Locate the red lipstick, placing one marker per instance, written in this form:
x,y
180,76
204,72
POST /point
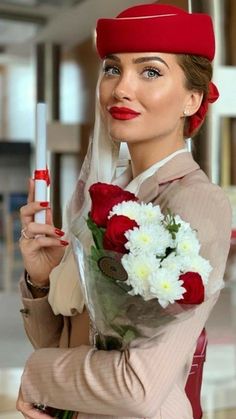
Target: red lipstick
x,y
123,113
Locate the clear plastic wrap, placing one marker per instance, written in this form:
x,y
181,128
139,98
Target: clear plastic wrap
x,y
118,318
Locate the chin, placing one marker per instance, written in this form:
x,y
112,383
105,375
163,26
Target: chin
x,y
117,140
121,135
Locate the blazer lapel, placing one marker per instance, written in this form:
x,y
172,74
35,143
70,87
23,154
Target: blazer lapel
x,y
174,169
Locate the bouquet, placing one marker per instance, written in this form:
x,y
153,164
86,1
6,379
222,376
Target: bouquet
x,y
142,270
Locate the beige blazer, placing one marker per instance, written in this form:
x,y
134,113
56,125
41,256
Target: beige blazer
x,y
144,382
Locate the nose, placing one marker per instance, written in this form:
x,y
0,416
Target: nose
x,y
124,89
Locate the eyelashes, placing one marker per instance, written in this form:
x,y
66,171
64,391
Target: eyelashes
x,y
148,73
151,72
111,70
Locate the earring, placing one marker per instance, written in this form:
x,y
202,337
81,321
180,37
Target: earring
x,y
185,112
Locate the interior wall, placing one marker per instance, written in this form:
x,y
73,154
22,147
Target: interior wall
x,y
178,3
231,31
85,57
20,90
3,103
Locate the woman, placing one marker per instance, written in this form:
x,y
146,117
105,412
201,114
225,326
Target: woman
x,y
152,97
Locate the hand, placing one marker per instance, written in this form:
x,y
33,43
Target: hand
x,y
41,245
28,410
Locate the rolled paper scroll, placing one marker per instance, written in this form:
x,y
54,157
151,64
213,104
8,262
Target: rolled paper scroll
x,y
41,174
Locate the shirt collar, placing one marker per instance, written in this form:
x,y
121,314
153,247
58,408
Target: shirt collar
x,y
175,166
135,183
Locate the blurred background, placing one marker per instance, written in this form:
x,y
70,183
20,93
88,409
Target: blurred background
x,y
47,55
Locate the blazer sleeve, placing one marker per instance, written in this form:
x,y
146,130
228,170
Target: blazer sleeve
x,y
42,327
135,382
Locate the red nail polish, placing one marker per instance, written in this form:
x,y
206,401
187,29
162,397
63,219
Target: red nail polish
x,y
59,232
44,204
64,242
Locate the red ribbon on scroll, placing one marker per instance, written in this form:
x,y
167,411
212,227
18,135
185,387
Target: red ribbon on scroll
x,y
42,175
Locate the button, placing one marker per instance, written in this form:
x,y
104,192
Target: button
x,y
24,311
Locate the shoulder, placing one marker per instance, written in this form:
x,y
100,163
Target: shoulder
x,y
196,188
201,203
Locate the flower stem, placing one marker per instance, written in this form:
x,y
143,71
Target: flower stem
x,y
64,414
68,415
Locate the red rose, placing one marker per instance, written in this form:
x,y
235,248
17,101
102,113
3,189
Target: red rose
x,y
194,288
114,237
104,196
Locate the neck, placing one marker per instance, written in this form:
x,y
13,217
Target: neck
x,y
145,155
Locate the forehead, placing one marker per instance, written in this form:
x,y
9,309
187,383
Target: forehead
x,y
134,57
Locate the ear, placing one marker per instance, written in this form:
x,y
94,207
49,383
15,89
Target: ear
x,y
193,102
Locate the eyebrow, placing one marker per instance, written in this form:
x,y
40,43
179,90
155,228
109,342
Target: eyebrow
x,y
139,60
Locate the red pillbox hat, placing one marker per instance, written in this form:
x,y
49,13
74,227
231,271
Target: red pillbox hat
x,y
156,28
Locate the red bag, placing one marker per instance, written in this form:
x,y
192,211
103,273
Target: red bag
x,y
194,382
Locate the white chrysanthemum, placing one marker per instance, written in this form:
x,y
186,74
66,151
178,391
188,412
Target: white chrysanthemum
x,y
187,243
140,270
166,287
148,239
197,263
150,214
140,212
184,226
130,209
174,263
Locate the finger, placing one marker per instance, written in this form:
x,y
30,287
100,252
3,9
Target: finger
x,y
27,212
29,411
34,229
42,242
34,245
32,207
31,190
32,413
36,414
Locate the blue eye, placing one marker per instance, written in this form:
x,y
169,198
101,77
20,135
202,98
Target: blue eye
x,y
151,73
111,70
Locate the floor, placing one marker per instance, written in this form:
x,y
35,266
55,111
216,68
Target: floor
x,y
219,383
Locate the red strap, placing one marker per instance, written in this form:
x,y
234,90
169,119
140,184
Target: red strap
x,y
42,175
233,234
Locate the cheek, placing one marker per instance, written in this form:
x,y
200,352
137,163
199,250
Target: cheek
x,y
166,102
101,95
103,101
105,92
158,101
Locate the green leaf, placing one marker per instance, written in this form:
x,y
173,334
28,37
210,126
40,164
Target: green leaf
x,y
170,224
126,332
97,232
124,286
129,336
109,305
96,254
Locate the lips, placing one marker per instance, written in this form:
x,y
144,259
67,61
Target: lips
x,y
123,113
